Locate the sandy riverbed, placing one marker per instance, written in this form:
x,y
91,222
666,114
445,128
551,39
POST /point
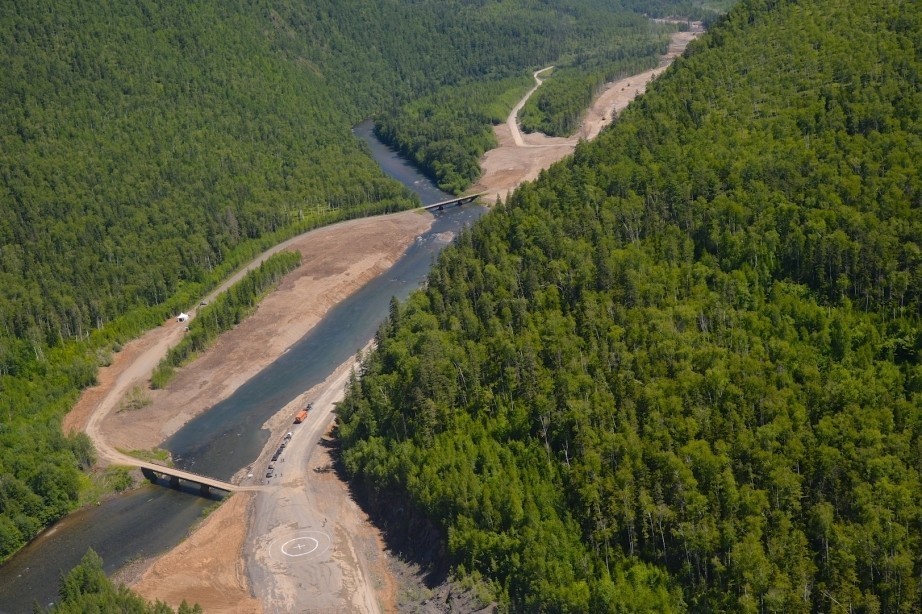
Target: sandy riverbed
x,y
336,261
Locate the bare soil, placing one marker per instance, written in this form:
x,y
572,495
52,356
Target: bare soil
x,y
521,158
336,261
208,568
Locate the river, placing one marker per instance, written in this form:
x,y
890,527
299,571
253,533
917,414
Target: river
x,y
228,437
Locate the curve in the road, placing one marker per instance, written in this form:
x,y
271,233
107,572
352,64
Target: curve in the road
x,y
513,120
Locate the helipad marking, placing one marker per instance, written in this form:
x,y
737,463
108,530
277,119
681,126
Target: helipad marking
x,y
299,548
304,545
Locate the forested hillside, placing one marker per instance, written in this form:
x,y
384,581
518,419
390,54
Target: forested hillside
x,y
148,149
683,371
591,41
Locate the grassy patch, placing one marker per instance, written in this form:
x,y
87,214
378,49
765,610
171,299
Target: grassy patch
x,y
211,508
480,589
98,485
136,398
153,455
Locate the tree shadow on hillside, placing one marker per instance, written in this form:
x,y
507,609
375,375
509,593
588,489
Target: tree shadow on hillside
x,y
408,534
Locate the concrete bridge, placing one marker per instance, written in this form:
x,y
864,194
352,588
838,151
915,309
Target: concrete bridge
x,y
457,202
153,472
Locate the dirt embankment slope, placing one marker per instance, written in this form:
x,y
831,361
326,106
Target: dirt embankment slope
x,y
202,569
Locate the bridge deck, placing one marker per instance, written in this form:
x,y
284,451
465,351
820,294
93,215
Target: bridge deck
x,y
461,200
189,476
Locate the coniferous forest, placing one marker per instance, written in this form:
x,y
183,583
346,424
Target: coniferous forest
x,y
85,588
683,369
149,149
446,133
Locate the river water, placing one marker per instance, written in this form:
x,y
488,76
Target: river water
x,y
226,438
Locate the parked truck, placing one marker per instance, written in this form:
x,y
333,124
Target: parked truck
x,y
302,415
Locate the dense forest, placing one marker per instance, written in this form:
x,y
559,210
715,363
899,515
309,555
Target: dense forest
x,y
683,370
558,106
85,589
147,150
445,134
591,42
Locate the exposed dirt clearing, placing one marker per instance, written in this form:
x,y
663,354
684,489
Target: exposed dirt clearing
x,y
306,501
207,568
522,157
618,94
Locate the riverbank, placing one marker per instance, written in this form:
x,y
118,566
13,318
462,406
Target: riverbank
x,y
337,261
207,568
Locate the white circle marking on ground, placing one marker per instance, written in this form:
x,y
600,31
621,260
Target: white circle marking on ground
x,y
300,546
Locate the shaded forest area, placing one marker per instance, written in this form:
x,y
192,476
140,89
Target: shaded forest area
x,y
147,150
683,370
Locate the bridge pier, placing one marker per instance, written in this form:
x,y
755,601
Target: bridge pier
x,y
205,489
174,481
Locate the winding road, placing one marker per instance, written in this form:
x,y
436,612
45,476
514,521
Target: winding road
x,y
140,370
307,545
513,120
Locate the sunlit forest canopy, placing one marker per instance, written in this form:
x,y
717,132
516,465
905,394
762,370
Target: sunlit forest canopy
x,y
683,370
147,149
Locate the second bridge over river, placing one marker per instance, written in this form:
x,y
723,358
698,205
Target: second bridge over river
x,y
453,202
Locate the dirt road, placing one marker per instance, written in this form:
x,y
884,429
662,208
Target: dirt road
x,y
308,544
521,158
513,120
336,261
